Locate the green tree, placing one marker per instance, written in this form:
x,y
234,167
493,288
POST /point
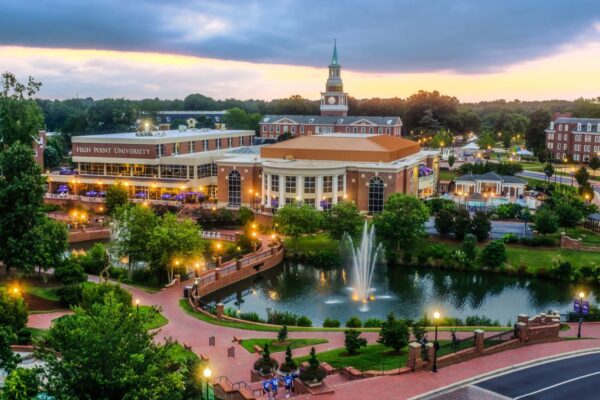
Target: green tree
x,y
21,196
52,158
133,226
481,225
494,254
394,333
462,223
13,310
568,214
582,176
107,352
51,244
172,241
546,221
486,140
95,259
535,134
444,221
451,160
353,342
8,359
289,364
343,218
116,196
594,163
245,215
548,170
96,293
20,117
70,272
282,335
402,222
22,384
469,246
295,220
236,118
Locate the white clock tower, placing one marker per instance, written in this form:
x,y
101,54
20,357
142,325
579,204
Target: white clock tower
x,y
334,101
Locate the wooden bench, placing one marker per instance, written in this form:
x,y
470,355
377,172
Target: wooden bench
x,y
258,349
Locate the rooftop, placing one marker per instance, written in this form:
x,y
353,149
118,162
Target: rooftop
x,y
158,136
490,176
330,119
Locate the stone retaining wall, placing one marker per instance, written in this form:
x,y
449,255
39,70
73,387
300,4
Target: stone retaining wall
x,y
89,234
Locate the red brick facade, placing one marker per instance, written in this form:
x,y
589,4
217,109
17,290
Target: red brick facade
x,y
576,139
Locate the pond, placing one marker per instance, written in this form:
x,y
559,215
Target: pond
x,y
321,293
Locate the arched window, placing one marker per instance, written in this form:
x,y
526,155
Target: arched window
x,y
375,195
235,188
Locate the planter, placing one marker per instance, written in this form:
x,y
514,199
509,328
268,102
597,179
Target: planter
x,y
313,384
293,372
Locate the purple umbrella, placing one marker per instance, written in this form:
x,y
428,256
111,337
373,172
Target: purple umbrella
x,y
91,193
101,194
62,190
141,194
165,196
180,196
201,195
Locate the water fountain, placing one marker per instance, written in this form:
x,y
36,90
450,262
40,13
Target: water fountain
x,y
364,259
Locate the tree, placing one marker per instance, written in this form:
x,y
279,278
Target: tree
x,y
70,272
462,223
548,170
494,254
132,228
353,342
282,335
20,117
546,221
116,196
13,311
314,372
96,293
21,196
451,160
236,118
394,333
8,359
582,176
535,134
22,384
469,246
402,221
343,218
131,365
481,225
245,215
418,330
51,158
172,241
594,163
568,214
486,140
51,243
94,260
295,220
289,364
444,221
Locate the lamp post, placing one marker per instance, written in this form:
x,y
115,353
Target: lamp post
x,y
436,317
572,173
137,305
254,241
206,374
581,296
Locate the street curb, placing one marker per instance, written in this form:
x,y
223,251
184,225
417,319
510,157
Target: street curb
x,y
504,371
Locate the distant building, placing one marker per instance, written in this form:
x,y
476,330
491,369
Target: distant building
x,y
167,117
491,184
334,115
577,138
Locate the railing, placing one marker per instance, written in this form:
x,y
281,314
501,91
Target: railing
x,y
375,369
498,338
255,258
218,235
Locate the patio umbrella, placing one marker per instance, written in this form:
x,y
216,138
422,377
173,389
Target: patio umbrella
x,y
62,190
91,193
101,194
141,194
180,196
524,152
165,196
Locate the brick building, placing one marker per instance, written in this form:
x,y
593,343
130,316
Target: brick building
x,y
574,138
334,115
321,170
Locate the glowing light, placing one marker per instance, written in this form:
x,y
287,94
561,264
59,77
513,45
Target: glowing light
x,y
137,302
436,315
355,297
372,297
207,373
581,295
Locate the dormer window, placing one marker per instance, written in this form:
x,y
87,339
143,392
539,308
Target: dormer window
x,y
551,124
311,120
560,127
589,127
598,127
579,126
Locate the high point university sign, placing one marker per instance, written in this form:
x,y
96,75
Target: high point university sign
x,y
111,151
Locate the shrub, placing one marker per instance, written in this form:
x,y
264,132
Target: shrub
x,y
282,318
314,372
289,365
95,293
373,323
70,272
547,241
469,246
494,254
436,251
282,335
250,316
480,320
331,323
481,225
70,295
24,337
563,269
354,322
510,238
394,333
95,260
545,221
462,223
304,321
508,210
245,215
444,221
22,383
418,331
353,342
265,365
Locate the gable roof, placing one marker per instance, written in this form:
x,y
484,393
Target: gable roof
x,y
330,119
490,176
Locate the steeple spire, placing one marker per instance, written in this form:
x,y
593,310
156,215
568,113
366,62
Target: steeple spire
x,y
334,59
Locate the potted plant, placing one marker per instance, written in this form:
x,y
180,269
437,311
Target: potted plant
x,y
289,366
265,365
314,374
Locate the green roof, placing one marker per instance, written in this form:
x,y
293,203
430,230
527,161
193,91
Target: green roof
x,y
334,59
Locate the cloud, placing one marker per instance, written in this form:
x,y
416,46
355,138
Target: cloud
x,y
465,36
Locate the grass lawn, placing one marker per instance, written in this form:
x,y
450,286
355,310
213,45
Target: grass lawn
x,y
374,356
179,353
311,243
589,238
48,293
157,319
36,332
275,346
447,175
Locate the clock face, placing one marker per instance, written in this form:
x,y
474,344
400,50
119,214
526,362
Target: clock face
x,y
331,100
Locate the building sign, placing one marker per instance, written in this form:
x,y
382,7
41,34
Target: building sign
x,y
94,150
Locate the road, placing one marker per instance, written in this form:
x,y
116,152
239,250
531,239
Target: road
x,y
565,180
499,228
570,378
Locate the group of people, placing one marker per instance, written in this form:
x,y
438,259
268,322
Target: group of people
x,y
271,386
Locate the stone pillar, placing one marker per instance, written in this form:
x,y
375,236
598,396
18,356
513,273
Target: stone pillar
x,y
479,338
268,178
281,190
335,189
177,278
238,265
220,310
522,331
218,262
523,318
414,361
319,192
299,188
217,273
430,350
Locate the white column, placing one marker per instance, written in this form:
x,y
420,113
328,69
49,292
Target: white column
x,y
335,189
319,192
268,178
299,188
281,190
346,185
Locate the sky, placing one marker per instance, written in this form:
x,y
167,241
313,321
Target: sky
x,y
472,49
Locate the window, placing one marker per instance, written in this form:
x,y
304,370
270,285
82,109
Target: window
x,y
205,170
363,130
327,184
271,128
302,129
91,168
587,148
588,138
340,179
550,146
293,129
579,126
160,150
375,195
173,171
118,169
309,202
289,200
589,127
235,188
380,130
355,130
388,130
290,184
145,170
278,129
264,129
577,147
205,145
560,127
371,130
598,128
274,183
560,136
576,157
558,146
309,184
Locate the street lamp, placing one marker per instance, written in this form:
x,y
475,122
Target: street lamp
x,y
254,241
581,297
137,305
572,173
16,291
206,374
436,317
